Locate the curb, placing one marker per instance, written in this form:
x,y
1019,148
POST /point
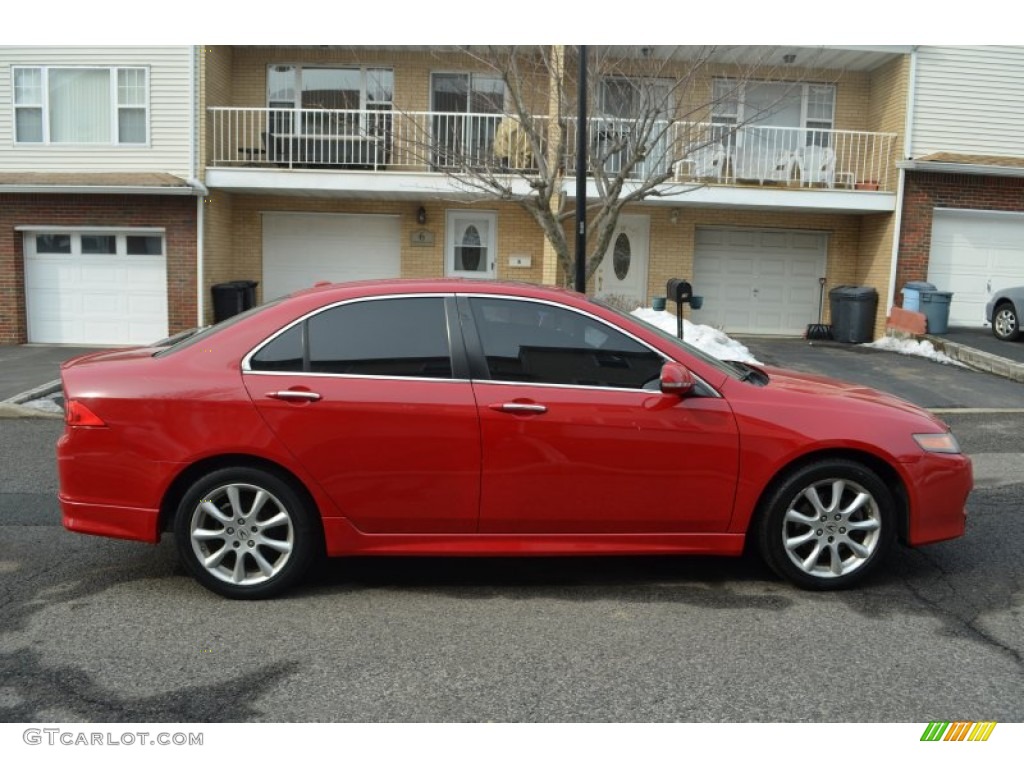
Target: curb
x,y
13,411
33,394
978,360
13,408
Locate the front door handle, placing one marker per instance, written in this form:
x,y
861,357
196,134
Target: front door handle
x,y
519,407
294,395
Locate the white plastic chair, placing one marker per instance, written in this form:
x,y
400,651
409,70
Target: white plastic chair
x,y
817,165
707,162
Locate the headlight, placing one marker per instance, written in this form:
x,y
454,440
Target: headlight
x,y
940,443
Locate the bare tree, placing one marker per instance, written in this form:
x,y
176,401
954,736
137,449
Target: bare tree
x,y
649,130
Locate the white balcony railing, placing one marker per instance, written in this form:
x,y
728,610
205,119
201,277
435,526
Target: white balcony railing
x,y
383,140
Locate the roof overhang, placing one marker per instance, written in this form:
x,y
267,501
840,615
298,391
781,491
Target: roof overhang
x,y
974,165
33,183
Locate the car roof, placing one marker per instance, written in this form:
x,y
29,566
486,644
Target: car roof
x,y
440,285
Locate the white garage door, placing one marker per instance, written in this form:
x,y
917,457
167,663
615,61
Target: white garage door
x,y
301,249
85,288
758,281
974,254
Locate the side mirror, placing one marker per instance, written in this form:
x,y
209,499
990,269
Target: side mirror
x,y
676,379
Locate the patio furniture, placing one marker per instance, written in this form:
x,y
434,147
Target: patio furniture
x,y
705,162
817,166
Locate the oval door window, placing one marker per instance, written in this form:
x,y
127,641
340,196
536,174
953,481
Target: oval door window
x,y
468,252
621,256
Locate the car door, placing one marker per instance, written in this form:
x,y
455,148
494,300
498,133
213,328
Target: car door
x,y
577,437
368,398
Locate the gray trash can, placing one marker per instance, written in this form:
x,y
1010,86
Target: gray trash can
x,y
935,305
912,294
853,313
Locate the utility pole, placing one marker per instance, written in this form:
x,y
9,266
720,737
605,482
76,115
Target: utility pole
x,y
581,175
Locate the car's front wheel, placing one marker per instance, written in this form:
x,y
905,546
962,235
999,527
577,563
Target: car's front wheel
x,y
245,533
827,525
1006,322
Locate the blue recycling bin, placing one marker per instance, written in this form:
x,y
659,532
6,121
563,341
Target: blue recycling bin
x,y
912,294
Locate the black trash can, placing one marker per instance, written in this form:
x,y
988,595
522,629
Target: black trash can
x,y
231,298
853,313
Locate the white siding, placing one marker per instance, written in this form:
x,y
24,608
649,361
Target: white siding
x,y
170,112
970,100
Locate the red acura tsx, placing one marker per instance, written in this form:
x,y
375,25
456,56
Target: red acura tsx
x,y
454,417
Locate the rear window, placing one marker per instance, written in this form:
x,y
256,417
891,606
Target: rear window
x,y
201,334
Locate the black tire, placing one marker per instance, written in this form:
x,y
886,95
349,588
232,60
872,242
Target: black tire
x,y
245,533
827,525
1006,322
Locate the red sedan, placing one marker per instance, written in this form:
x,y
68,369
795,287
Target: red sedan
x,y
468,418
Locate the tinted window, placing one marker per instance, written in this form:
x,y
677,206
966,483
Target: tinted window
x,y
389,337
282,354
533,342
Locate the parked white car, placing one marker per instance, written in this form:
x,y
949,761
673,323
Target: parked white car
x,y
1003,311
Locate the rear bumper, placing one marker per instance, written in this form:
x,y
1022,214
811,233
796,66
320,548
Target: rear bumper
x,y
105,520
939,489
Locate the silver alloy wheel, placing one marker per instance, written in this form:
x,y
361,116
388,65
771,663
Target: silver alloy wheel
x,y
831,528
1005,322
242,534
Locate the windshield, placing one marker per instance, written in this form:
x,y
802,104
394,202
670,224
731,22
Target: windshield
x,y
700,354
196,335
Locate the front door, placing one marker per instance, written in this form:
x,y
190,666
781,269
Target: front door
x,y
470,244
578,439
622,276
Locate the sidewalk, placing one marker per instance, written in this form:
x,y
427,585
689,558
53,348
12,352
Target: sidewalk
x,y
31,371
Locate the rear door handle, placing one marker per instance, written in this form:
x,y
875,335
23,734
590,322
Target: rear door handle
x,y
519,407
294,395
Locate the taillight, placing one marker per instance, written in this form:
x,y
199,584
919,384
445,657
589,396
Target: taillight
x,y
76,414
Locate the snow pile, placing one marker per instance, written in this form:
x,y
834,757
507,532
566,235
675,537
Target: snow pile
x,y
704,337
915,348
45,404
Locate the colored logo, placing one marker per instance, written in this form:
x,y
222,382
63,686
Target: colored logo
x,y
958,731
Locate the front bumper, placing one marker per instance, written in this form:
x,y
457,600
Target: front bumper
x,y
938,490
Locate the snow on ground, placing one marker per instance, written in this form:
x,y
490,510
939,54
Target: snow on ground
x,y
704,337
915,348
46,404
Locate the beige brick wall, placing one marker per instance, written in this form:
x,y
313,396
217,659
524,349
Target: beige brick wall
x,y
858,103
234,239
859,247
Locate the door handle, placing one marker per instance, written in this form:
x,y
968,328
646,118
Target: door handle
x,y
294,395
519,407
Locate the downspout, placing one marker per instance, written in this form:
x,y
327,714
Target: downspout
x,y
908,152
194,182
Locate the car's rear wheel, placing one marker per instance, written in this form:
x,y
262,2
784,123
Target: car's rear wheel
x,y
245,533
1006,322
828,525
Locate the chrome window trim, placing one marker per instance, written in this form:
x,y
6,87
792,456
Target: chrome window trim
x,y
664,358
247,368
371,376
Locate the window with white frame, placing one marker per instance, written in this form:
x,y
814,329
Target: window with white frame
x,y
807,107
631,105
470,244
468,108
81,105
328,100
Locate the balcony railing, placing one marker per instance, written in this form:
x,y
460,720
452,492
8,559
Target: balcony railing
x,y
385,140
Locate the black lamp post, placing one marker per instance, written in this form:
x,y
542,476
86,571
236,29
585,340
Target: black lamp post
x,y
581,176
